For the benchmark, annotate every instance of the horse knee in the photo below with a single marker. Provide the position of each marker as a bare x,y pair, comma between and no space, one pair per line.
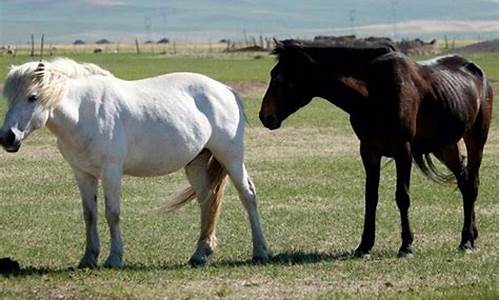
249,199
89,216
113,215
402,199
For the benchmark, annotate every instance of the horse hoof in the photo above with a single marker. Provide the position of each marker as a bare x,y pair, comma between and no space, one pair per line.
113,262
467,248
87,264
196,262
405,254
260,259
364,254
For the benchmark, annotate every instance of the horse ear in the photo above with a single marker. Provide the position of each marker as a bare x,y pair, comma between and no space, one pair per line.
39,71
301,56
278,47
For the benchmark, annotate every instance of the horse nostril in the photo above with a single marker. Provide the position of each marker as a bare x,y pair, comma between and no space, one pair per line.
9,138
270,121
265,119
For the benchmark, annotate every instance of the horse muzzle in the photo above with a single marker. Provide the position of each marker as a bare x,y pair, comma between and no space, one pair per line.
10,142
270,121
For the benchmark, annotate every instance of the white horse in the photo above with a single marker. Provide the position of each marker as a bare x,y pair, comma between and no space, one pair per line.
107,127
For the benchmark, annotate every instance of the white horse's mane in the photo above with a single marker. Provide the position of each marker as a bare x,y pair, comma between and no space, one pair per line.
47,79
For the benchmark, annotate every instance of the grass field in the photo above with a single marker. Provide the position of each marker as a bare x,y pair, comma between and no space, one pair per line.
310,183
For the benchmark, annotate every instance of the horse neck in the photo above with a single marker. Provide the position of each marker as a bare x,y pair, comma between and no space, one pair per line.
343,88
341,75
65,117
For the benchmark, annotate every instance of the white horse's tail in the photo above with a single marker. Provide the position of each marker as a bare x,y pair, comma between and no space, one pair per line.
217,177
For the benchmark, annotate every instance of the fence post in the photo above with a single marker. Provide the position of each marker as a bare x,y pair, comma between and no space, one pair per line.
41,45
137,46
32,53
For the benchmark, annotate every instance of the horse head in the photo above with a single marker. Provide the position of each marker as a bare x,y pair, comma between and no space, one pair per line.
26,112
290,85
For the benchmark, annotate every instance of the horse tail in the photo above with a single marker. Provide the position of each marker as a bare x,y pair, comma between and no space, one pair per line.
429,169
217,177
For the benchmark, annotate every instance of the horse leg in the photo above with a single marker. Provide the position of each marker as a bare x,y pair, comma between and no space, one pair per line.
403,169
371,163
469,191
111,182
198,177
450,156
87,184
248,197
236,170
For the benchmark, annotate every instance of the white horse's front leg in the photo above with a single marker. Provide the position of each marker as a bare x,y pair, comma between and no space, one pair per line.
87,185
111,182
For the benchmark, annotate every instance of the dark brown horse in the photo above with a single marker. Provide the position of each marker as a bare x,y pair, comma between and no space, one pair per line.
398,108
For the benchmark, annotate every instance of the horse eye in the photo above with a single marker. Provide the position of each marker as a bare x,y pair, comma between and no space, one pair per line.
279,78
33,98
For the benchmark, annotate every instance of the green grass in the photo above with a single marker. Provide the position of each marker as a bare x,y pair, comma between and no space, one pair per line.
310,181
131,66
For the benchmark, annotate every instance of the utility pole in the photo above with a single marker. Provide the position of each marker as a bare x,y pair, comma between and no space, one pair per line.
164,19
394,4
32,53
148,23
41,45
352,20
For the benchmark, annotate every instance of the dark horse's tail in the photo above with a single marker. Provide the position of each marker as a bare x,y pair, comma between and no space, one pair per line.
426,165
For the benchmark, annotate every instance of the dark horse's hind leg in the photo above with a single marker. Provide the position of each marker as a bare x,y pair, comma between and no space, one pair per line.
469,191
403,168
371,163
468,182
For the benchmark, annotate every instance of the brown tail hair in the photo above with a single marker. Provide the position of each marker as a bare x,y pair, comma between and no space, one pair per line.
429,169
217,177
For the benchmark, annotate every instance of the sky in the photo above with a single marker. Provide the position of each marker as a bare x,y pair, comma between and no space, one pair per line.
64,21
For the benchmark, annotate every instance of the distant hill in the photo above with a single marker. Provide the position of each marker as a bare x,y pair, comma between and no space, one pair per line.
486,46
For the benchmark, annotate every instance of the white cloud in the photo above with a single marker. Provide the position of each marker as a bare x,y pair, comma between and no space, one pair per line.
419,27
106,2
426,26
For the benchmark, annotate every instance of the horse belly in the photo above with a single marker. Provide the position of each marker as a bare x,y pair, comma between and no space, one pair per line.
160,154
159,160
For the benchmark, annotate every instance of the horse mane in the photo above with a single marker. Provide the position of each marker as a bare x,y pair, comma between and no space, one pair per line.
328,54
47,79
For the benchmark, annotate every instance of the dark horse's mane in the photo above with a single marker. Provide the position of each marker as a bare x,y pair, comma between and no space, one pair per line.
328,54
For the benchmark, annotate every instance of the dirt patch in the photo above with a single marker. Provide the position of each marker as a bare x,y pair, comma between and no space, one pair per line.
249,88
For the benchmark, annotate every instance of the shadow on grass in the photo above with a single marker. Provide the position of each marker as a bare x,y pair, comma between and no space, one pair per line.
289,258
286,259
